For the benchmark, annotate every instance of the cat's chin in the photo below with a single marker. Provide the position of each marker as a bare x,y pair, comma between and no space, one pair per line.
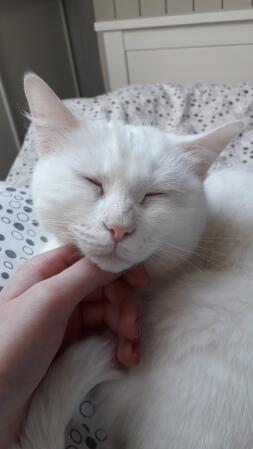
111,263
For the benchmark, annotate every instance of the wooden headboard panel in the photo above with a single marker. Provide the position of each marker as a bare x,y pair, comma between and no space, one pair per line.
208,47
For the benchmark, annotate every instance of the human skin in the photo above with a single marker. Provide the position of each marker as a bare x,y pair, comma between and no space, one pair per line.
52,301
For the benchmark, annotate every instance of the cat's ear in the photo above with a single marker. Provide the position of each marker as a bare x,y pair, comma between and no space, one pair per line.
50,117
207,146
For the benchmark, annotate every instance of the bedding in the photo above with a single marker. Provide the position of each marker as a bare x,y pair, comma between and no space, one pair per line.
183,109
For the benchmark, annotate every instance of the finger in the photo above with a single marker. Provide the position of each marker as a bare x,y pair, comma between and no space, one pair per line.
137,277
111,317
39,268
96,295
123,315
117,291
74,330
60,294
128,353
92,315
86,318
129,324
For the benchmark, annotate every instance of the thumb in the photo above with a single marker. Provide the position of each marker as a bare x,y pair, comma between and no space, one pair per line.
65,290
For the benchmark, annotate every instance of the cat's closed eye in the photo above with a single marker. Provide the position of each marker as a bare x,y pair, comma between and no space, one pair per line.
153,194
95,183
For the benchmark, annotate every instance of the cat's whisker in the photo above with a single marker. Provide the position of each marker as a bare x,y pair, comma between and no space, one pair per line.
64,222
203,257
217,239
198,250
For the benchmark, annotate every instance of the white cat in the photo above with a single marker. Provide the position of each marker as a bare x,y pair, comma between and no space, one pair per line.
126,194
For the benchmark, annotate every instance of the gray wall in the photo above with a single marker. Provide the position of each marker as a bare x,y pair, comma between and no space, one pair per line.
8,135
80,19
56,40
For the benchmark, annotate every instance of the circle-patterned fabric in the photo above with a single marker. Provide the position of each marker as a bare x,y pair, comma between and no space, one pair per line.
21,235
171,107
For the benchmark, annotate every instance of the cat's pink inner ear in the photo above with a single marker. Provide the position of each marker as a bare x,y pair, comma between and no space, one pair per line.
207,146
50,116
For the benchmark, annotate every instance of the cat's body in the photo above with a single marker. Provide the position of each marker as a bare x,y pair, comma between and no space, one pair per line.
192,388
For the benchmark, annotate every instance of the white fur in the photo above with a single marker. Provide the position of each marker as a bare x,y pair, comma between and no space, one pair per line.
192,388
50,412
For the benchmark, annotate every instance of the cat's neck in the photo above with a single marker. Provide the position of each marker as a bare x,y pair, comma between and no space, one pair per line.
227,244
163,271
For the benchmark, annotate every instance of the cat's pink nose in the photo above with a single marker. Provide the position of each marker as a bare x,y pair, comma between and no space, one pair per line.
118,232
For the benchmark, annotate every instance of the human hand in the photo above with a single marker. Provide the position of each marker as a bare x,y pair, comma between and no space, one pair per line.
41,312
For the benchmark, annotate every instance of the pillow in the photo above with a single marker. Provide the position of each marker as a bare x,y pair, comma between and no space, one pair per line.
21,235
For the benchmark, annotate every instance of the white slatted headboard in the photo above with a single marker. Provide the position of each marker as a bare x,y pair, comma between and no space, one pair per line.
209,47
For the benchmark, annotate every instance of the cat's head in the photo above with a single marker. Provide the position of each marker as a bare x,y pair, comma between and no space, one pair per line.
122,193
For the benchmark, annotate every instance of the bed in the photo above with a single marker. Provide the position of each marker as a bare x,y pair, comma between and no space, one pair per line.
159,60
